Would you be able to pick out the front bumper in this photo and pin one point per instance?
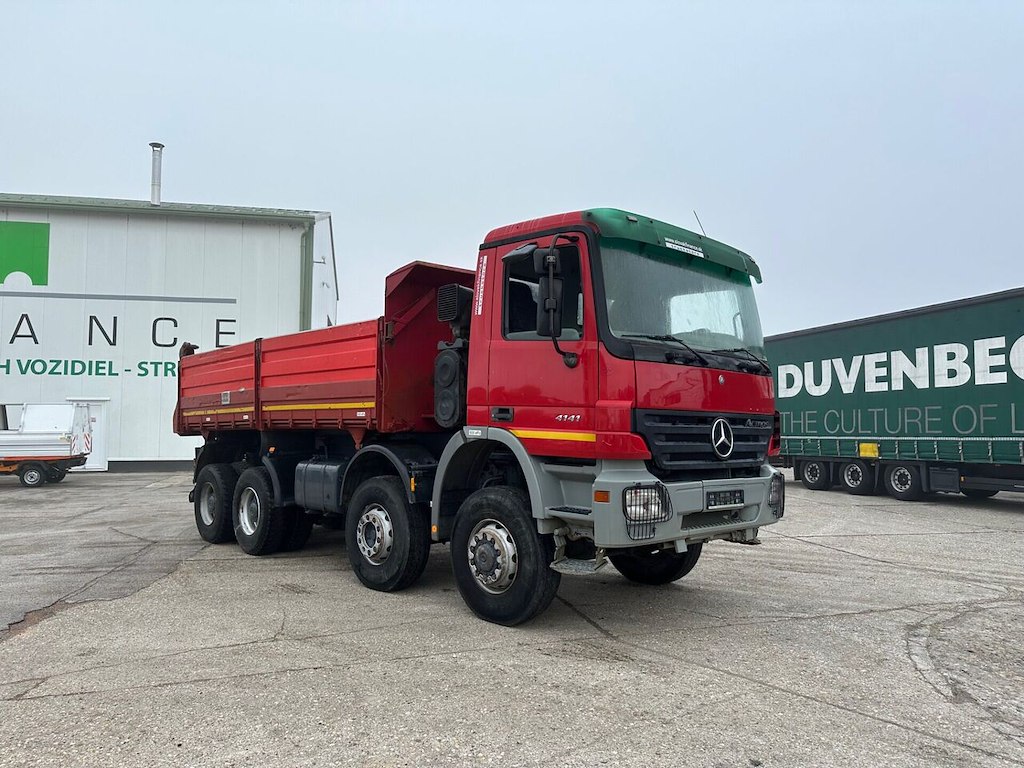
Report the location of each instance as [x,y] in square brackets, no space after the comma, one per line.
[688,517]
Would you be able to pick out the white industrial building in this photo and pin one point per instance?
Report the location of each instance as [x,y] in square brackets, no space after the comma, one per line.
[98,295]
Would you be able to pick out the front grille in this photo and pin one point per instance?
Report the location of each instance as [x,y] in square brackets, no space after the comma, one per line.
[680,441]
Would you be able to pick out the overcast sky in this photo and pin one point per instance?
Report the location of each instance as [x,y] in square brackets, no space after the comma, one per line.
[868,155]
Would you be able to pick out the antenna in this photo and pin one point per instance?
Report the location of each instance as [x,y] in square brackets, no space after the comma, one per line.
[698,222]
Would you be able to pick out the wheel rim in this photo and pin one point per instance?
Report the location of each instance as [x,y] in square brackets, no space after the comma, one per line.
[812,472]
[901,479]
[493,557]
[853,475]
[375,534]
[33,476]
[249,511]
[207,501]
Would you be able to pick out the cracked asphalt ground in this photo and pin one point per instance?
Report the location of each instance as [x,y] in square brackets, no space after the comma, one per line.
[864,631]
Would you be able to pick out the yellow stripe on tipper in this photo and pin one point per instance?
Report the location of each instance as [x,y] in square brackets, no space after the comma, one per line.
[217,411]
[542,434]
[320,406]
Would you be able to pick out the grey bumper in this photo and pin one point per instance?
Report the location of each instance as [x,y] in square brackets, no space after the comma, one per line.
[688,518]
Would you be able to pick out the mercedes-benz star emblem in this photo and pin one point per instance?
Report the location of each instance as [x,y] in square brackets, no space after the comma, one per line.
[722,439]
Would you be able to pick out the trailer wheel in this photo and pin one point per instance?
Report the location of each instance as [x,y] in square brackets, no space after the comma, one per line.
[298,527]
[32,475]
[55,474]
[656,566]
[501,564]
[387,538]
[259,526]
[978,493]
[215,487]
[903,482]
[814,475]
[857,478]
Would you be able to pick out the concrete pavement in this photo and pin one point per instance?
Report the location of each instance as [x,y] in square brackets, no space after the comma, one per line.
[864,631]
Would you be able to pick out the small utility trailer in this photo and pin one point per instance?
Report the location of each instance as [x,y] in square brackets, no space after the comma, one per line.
[49,440]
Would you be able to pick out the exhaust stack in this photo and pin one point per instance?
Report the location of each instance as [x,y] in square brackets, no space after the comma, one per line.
[154,194]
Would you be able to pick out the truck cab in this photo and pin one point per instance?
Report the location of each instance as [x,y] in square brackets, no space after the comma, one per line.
[620,360]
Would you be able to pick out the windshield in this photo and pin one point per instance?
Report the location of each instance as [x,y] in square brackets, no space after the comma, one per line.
[707,306]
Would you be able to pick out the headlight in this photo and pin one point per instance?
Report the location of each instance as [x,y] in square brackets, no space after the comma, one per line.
[777,494]
[643,506]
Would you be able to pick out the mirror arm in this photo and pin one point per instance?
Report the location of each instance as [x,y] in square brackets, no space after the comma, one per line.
[571,359]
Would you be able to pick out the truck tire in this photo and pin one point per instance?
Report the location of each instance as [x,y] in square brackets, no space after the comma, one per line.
[903,482]
[215,488]
[857,477]
[656,566]
[298,527]
[259,526]
[388,539]
[55,474]
[978,493]
[32,475]
[501,564]
[814,475]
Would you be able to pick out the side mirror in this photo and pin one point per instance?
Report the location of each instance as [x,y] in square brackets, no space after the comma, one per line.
[542,261]
[550,323]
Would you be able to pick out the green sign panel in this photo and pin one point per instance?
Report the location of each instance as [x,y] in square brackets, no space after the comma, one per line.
[25,247]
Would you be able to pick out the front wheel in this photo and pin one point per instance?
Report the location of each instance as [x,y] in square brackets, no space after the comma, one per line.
[656,566]
[32,475]
[501,564]
[386,537]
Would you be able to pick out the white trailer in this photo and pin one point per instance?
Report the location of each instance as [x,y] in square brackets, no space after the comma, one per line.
[49,440]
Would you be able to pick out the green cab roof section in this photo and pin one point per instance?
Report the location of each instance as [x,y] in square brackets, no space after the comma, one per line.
[611,223]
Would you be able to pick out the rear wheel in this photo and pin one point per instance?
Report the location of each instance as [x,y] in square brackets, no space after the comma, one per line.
[55,474]
[814,475]
[501,564]
[32,475]
[259,526]
[857,477]
[978,493]
[386,537]
[215,488]
[903,482]
[656,566]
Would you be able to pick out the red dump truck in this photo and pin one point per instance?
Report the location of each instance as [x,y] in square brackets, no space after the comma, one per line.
[594,391]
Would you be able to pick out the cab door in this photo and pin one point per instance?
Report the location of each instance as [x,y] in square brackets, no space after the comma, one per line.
[532,393]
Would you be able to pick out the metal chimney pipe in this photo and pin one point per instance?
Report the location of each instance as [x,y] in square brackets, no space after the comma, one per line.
[154,194]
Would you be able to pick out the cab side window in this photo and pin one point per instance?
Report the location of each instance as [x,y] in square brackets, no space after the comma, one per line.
[522,294]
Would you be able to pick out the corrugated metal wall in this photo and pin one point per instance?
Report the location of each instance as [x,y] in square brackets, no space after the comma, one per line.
[210,280]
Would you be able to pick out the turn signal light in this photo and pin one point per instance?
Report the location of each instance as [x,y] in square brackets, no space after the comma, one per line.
[602,497]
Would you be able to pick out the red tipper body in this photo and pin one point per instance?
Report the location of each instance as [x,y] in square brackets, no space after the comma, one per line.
[368,376]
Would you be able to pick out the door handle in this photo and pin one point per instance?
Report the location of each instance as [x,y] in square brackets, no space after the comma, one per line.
[502,414]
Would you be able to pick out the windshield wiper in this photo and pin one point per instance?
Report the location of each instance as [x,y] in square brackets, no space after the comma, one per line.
[762,364]
[666,337]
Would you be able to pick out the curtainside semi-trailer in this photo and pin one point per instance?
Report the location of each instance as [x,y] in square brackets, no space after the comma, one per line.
[926,400]
[595,390]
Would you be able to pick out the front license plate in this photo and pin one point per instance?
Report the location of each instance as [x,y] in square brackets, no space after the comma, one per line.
[724,499]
